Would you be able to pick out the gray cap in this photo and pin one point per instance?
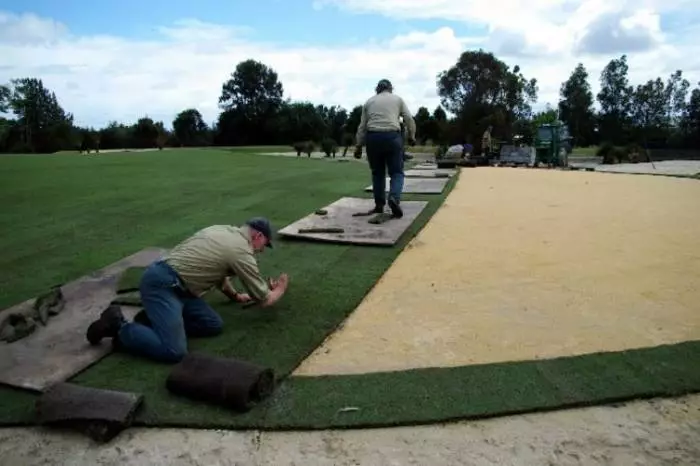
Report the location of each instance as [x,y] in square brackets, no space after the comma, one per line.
[262,225]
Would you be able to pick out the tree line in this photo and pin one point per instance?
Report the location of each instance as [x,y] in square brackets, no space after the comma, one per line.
[479,91]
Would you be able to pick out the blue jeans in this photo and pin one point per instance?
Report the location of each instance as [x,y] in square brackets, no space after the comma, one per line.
[175,314]
[385,154]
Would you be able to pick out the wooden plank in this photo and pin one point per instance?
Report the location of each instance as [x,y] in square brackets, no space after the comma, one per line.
[58,351]
[419,185]
[436,173]
[356,230]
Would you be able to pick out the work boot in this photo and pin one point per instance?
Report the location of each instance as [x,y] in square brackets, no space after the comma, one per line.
[107,326]
[16,326]
[395,207]
[48,304]
[142,318]
[377,210]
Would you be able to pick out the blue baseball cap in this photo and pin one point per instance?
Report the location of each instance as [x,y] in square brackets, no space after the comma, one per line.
[262,225]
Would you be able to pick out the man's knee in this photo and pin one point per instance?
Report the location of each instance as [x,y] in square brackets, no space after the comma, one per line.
[173,352]
[214,325]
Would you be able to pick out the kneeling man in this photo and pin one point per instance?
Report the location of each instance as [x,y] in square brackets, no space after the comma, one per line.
[172,289]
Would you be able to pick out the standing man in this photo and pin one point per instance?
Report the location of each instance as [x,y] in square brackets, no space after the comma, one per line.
[380,132]
[486,141]
[172,289]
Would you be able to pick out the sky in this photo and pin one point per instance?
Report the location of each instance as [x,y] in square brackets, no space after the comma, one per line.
[125,60]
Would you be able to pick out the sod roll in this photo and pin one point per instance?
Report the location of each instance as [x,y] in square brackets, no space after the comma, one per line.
[101,414]
[231,383]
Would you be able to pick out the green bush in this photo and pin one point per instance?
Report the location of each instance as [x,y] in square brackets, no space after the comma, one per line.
[306,147]
[441,151]
[604,149]
[618,155]
[611,154]
[348,139]
[329,146]
[635,153]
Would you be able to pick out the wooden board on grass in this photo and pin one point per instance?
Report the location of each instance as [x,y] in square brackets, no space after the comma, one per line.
[59,350]
[419,185]
[357,230]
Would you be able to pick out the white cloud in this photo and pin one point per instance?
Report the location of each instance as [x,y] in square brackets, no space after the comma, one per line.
[103,78]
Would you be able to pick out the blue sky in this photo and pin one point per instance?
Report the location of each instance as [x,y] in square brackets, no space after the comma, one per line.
[123,60]
[269,20]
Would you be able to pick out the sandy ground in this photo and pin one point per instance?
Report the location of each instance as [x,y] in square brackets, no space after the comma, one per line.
[523,264]
[655,433]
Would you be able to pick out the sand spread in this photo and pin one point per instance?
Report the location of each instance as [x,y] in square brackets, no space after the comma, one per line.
[523,264]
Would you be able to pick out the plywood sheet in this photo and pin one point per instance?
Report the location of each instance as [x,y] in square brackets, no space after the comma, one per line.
[436,173]
[666,167]
[53,353]
[419,185]
[357,230]
[425,166]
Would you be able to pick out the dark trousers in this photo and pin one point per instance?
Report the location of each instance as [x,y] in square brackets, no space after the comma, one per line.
[174,314]
[385,155]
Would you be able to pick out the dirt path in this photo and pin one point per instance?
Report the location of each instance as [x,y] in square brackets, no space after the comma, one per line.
[523,264]
[656,433]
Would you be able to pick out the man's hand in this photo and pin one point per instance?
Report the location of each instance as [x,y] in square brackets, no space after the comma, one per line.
[242,298]
[358,152]
[278,288]
[411,142]
[282,280]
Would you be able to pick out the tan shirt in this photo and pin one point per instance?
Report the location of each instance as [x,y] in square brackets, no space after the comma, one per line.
[381,112]
[486,139]
[205,259]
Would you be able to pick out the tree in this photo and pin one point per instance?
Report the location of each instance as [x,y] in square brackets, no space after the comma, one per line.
[482,90]
[649,105]
[440,121]
[576,106]
[189,128]
[301,121]
[676,94]
[43,124]
[4,98]
[615,98]
[547,116]
[146,133]
[253,89]
[116,136]
[690,123]
[423,124]
[335,119]
[252,97]
[162,135]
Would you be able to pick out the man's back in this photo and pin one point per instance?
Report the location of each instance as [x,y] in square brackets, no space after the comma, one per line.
[205,258]
[381,112]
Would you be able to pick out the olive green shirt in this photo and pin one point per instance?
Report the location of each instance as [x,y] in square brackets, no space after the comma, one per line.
[381,112]
[207,258]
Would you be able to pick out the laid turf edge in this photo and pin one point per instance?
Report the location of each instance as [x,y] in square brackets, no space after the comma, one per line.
[425,396]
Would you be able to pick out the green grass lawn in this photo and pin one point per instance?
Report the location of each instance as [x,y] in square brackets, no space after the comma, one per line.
[65,216]
[584,151]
